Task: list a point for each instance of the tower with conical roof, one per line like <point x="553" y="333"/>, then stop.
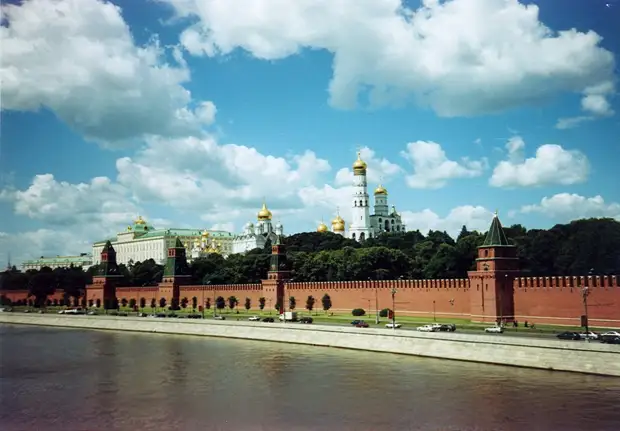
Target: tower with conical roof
<point x="277" y="276"/>
<point x="106" y="279"/>
<point x="176" y="274"/>
<point x="491" y="284"/>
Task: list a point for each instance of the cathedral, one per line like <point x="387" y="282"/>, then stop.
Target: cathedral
<point x="257" y="235"/>
<point x="363" y="224"/>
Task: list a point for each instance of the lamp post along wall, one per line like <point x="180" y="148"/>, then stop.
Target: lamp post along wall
<point x="393" y="309"/>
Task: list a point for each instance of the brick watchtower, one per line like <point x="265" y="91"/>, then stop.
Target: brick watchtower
<point x="279" y="272"/>
<point x="491" y="284"/>
<point x="108" y="276"/>
<point x="176" y="274"/>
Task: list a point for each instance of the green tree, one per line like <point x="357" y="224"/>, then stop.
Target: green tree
<point x="162" y="303"/>
<point x="194" y="303"/>
<point x="208" y="303"/>
<point x="142" y="303"/>
<point x="327" y="302"/>
<point x="132" y="303"/>
<point x="184" y="303"/>
<point x="220" y="303"/>
<point x="232" y="302"/>
<point x="153" y="304"/>
<point x="124" y="302"/>
<point x="292" y="303"/>
<point x="261" y="303"/>
<point x="248" y="304"/>
<point x="310" y="303"/>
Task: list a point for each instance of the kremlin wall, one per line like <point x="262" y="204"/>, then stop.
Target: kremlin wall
<point x="495" y="289"/>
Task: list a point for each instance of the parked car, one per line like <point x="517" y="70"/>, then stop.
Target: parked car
<point x="611" y="334"/>
<point x="361" y="324"/>
<point x="494" y="330"/>
<point x="426" y="328"/>
<point x="447" y="328"/>
<point x="393" y="325"/>
<point x="589" y="335"/>
<point x="220" y="318"/>
<point x="306" y="320"/>
<point x="611" y="337"/>
<point x="254" y="319"/>
<point x="568" y="335"/>
<point x="355" y="322"/>
<point x="268" y="319"/>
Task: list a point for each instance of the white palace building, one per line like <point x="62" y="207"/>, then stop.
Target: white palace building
<point x="141" y="241"/>
<point x="363" y="224"/>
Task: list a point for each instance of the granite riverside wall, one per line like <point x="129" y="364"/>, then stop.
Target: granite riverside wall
<point x="590" y="358"/>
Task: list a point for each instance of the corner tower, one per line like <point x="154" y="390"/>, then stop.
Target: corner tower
<point x="176" y="273"/>
<point x="279" y="272"/>
<point x="491" y="284"/>
<point x="359" y="229"/>
<point x="107" y="277"/>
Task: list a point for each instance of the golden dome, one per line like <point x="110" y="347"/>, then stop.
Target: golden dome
<point x="338" y="224"/>
<point x="139" y="220"/>
<point x="128" y="228"/>
<point x="359" y="167"/>
<point x="322" y="228"/>
<point x="205" y="233"/>
<point x="264" y="213"/>
<point x="381" y="190"/>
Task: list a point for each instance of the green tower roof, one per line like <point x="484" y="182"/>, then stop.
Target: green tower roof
<point x="107" y="247"/>
<point x="496" y="235"/>
<point x="178" y="243"/>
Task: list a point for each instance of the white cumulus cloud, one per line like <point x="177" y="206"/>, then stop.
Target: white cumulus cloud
<point x="432" y="169"/>
<point x="78" y="59"/>
<point x="571" y="206"/>
<point x="474" y="217"/>
<point x="552" y="164"/>
<point x="460" y="57"/>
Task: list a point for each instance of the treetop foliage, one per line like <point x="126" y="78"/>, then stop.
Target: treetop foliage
<point x="575" y="248"/>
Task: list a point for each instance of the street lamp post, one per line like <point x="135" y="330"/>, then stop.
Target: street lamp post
<point x="376" y="303"/>
<point x="393" y="309"/>
<point x="434" y="315"/>
<point x="585" y="292"/>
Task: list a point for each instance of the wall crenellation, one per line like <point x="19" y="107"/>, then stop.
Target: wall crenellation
<point x="457" y="284"/>
<point x="567" y="282"/>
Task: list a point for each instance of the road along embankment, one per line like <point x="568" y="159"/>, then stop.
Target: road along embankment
<point x="552" y="354"/>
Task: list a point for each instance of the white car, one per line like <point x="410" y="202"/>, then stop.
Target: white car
<point x="426" y="328"/>
<point x="611" y="334"/>
<point x="591" y="335"/>
<point x="393" y="325"/>
<point x="494" y="330"/>
<point x="254" y="319"/>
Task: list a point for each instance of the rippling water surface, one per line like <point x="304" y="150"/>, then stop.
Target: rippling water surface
<point x="63" y="379"/>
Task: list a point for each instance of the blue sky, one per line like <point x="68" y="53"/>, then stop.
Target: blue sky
<point x="190" y="112"/>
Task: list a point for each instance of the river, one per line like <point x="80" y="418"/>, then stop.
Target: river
<point x="65" y="379"/>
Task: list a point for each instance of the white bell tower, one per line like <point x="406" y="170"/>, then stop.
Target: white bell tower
<point x="359" y="229"/>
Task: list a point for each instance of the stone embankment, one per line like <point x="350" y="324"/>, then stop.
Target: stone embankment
<point x="552" y="354"/>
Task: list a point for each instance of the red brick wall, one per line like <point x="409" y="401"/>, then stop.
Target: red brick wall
<point x="16" y="295"/>
<point x="559" y="300"/>
<point x="413" y="297"/>
<point x="241" y="291"/>
<point x="551" y="300"/>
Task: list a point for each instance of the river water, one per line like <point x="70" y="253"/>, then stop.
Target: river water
<point x="70" y="380"/>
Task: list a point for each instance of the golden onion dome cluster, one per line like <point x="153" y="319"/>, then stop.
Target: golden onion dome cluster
<point x="338" y="224"/>
<point x="264" y="213"/>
